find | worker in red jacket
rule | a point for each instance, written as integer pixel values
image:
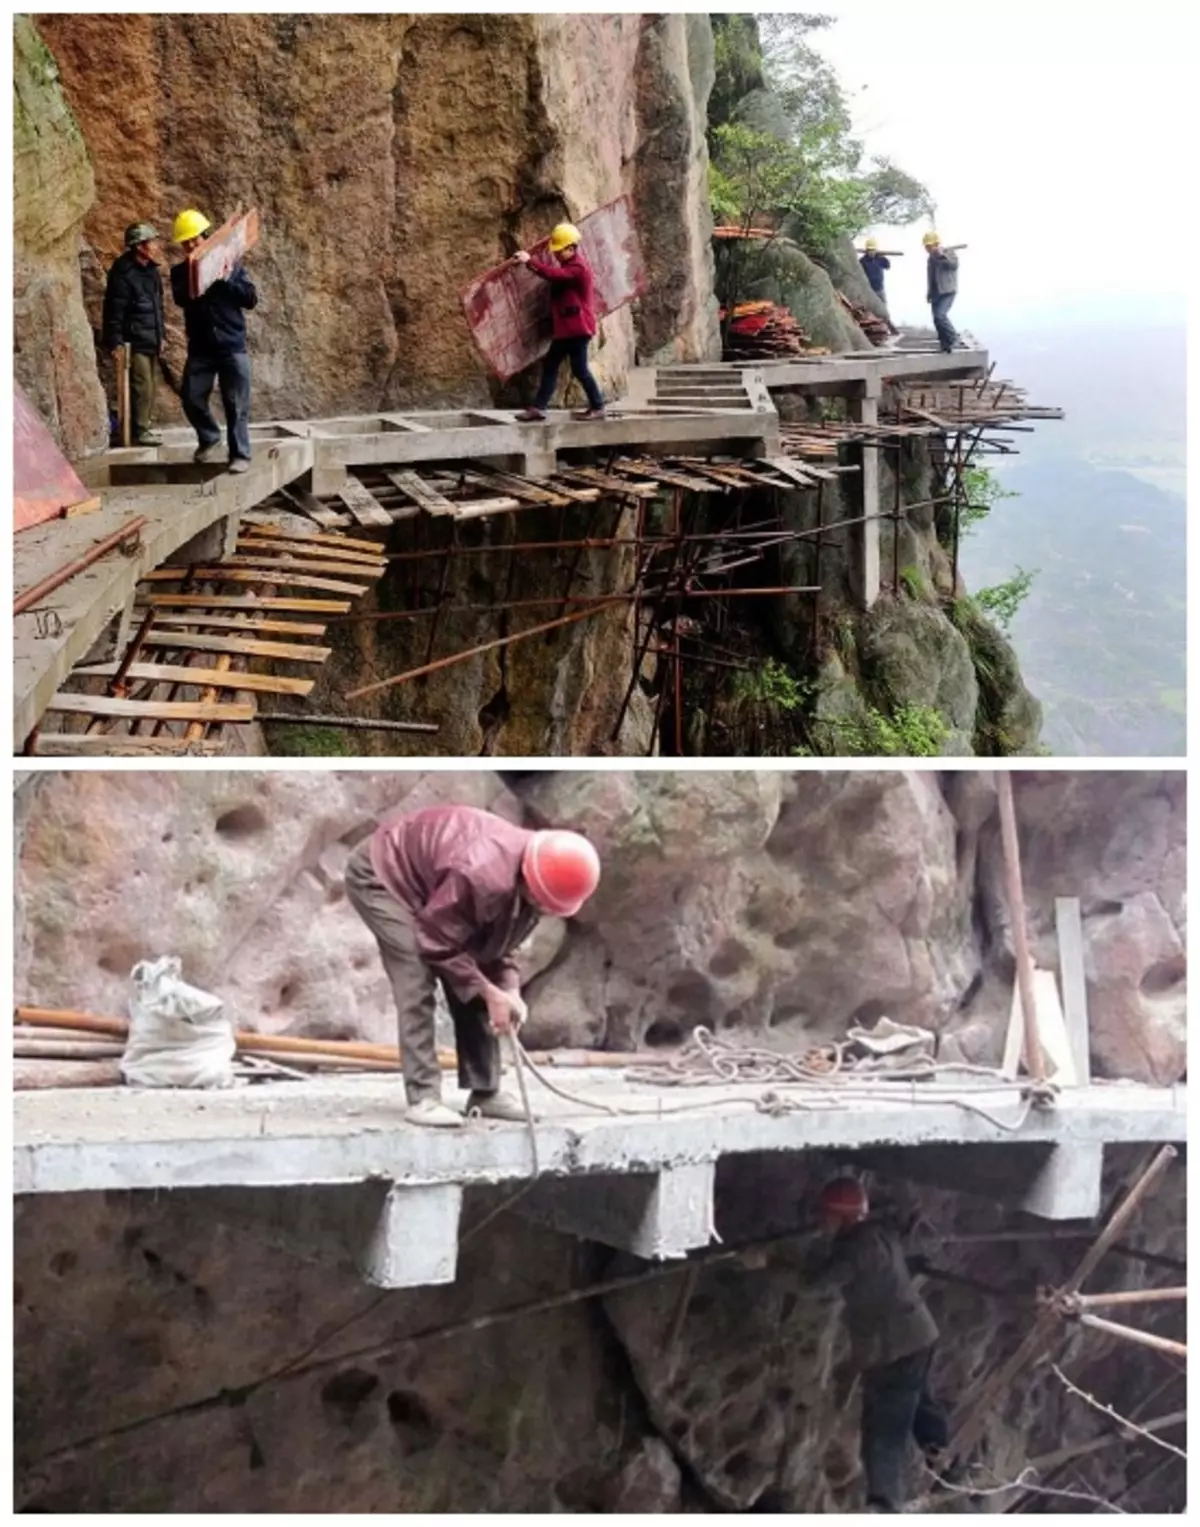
(449, 893)
(573, 311)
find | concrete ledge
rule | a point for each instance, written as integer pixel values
(1055, 1182)
(81, 608)
(346, 1130)
(395, 1237)
(656, 1216)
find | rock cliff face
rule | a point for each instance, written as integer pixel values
(780, 905)
(774, 906)
(392, 159)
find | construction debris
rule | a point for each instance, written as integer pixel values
(763, 331)
(875, 328)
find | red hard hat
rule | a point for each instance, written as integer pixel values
(844, 1196)
(561, 869)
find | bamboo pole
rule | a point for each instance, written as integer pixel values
(1034, 1061)
(972, 1416)
(1140, 1338)
(56, 1020)
(1127, 1296)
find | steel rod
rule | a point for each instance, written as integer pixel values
(352, 723)
(1128, 1296)
(29, 597)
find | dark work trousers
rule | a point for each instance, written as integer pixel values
(232, 373)
(143, 381)
(413, 988)
(575, 351)
(946, 332)
(896, 1405)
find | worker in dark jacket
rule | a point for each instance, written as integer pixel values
(216, 349)
(133, 316)
(449, 893)
(892, 1336)
(941, 288)
(873, 266)
(573, 313)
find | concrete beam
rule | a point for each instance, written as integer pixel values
(1055, 1182)
(865, 410)
(395, 1237)
(664, 1214)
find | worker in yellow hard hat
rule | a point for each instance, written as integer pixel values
(216, 348)
(941, 288)
(573, 314)
(873, 266)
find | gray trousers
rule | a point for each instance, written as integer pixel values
(413, 985)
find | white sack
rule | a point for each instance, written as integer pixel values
(179, 1036)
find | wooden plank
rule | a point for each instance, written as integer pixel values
(517, 487)
(664, 474)
(785, 467)
(421, 493)
(1074, 983)
(1052, 1032)
(473, 508)
(363, 504)
(248, 623)
(609, 483)
(289, 563)
(86, 506)
(309, 504)
(320, 538)
(217, 255)
(177, 673)
(289, 579)
(551, 485)
(299, 652)
(258, 545)
(249, 602)
(151, 710)
(72, 744)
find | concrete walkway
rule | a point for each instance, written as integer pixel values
(328, 1166)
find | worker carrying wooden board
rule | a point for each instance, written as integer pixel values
(449, 893)
(215, 293)
(942, 287)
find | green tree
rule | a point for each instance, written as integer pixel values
(1001, 601)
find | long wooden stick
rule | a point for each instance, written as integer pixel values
(1034, 1061)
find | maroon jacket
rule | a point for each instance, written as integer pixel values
(458, 871)
(572, 296)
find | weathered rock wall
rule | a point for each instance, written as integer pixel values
(781, 905)
(146, 1332)
(392, 159)
(53, 188)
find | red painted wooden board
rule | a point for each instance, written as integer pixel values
(44, 482)
(508, 309)
(221, 251)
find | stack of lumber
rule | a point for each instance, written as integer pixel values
(874, 327)
(763, 331)
(55, 1047)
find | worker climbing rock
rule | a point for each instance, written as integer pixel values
(892, 1337)
(873, 266)
(133, 316)
(449, 893)
(573, 314)
(941, 288)
(216, 349)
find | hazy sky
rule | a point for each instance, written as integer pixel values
(1052, 136)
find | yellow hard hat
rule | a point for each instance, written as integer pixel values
(563, 236)
(189, 225)
(930, 238)
(872, 244)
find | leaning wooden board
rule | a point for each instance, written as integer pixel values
(363, 504)
(216, 678)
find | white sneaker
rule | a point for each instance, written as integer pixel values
(434, 1115)
(498, 1106)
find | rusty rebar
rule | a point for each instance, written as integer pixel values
(32, 596)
